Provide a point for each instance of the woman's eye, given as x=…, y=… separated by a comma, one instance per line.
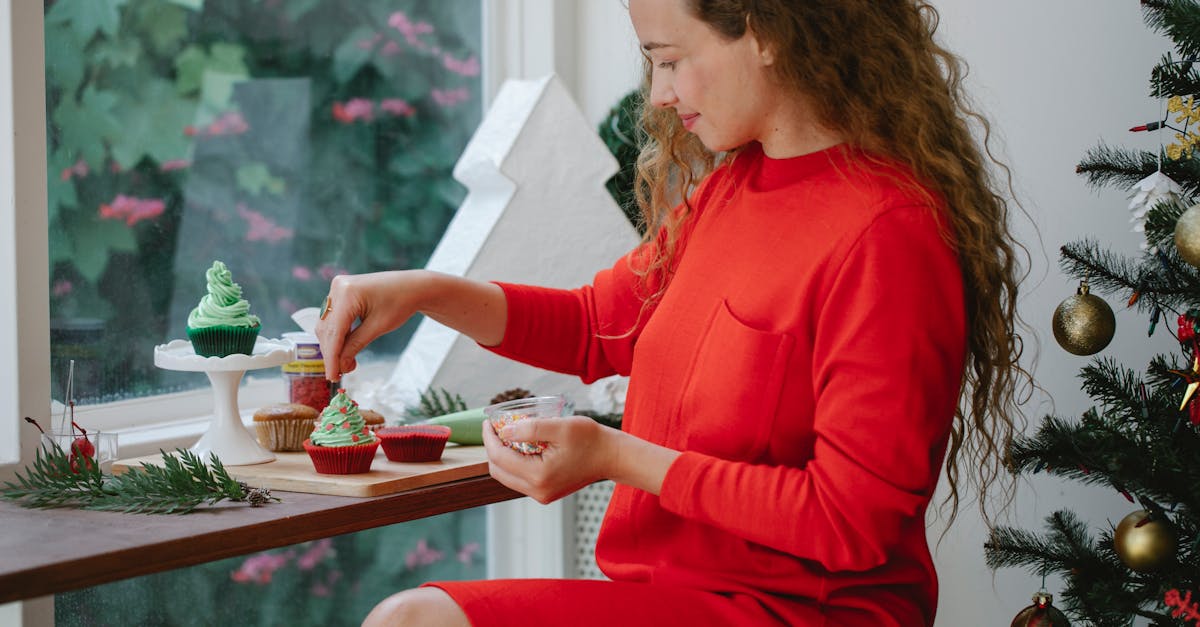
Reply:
x=667, y=65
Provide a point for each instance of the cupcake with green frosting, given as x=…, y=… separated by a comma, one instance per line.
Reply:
x=222, y=323
x=341, y=443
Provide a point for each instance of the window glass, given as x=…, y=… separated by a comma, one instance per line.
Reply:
x=291, y=139
x=329, y=582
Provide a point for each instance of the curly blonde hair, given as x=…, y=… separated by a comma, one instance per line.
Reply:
x=874, y=73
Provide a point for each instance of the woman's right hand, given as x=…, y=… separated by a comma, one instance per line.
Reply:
x=382, y=301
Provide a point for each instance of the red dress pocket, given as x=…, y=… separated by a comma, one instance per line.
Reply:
x=729, y=403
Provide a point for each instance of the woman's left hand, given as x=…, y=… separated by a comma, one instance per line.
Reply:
x=579, y=451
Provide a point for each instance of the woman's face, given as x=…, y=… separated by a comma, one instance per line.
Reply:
x=719, y=88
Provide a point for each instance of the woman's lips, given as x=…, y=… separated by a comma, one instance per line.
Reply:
x=689, y=120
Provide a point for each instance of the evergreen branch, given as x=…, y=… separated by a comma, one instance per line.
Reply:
x=1113, y=385
x=1160, y=224
x=1104, y=271
x=434, y=403
x=1109, y=166
x=1171, y=77
x=1162, y=280
x=179, y=486
x=1177, y=19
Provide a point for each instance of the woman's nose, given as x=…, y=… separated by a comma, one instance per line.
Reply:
x=662, y=93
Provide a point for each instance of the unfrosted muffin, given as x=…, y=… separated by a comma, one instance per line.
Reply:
x=374, y=419
x=284, y=426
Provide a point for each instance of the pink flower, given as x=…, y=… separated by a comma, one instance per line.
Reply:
x=261, y=227
x=80, y=169
x=302, y=273
x=397, y=106
x=390, y=49
x=315, y=554
x=422, y=555
x=261, y=567
x=229, y=123
x=327, y=272
x=410, y=30
x=174, y=164
x=450, y=97
x=367, y=44
x=467, y=552
x=62, y=287
x=132, y=209
x=467, y=67
x=353, y=109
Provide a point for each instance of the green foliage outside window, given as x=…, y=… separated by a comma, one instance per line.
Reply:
x=329, y=582
x=292, y=139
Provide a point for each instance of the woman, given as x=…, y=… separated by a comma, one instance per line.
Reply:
x=798, y=332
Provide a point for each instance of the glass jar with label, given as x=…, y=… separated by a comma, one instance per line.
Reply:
x=305, y=376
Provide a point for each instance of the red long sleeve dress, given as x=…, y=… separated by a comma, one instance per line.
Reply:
x=806, y=358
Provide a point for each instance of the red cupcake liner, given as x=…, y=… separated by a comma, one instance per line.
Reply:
x=342, y=460
x=413, y=443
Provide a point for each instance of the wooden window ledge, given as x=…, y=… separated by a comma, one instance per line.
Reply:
x=50, y=551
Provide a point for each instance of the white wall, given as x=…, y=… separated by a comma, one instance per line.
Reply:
x=1055, y=78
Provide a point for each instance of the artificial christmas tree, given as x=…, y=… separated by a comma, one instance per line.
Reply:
x=1143, y=437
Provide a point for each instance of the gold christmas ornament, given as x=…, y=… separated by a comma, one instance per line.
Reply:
x=1144, y=545
x=1084, y=324
x=1187, y=235
x=1041, y=613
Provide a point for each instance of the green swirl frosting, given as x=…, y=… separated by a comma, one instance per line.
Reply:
x=341, y=424
x=223, y=305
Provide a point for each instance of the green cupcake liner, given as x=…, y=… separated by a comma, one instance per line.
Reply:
x=220, y=341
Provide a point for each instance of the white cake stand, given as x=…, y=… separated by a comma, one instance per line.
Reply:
x=227, y=438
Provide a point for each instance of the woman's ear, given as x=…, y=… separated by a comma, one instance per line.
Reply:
x=766, y=53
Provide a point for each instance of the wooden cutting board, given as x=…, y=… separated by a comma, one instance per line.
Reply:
x=293, y=472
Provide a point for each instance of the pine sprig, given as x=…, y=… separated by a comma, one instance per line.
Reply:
x=180, y=485
x=1109, y=166
x=1171, y=77
x=1068, y=548
x=1162, y=281
x=1176, y=19
x=434, y=403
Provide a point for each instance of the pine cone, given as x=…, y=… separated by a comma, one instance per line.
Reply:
x=256, y=497
x=510, y=395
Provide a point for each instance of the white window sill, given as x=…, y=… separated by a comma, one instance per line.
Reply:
x=171, y=421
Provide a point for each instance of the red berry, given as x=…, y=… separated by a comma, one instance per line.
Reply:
x=82, y=448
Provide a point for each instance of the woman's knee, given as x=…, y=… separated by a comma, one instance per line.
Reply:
x=416, y=608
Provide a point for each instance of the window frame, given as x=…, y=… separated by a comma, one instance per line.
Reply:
x=521, y=39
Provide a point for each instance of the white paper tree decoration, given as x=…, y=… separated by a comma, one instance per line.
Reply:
x=536, y=212
x=1147, y=193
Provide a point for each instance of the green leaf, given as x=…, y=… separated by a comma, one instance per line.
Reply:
x=155, y=128
x=87, y=124
x=102, y=238
x=349, y=57
x=61, y=247
x=65, y=60
x=117, y=52
x=195, y=5
x=297, y=9
x=61, y=193
x=87, y=17
x=256, y=177
x=216, y=94
x=165, y=26
x=194, y=62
